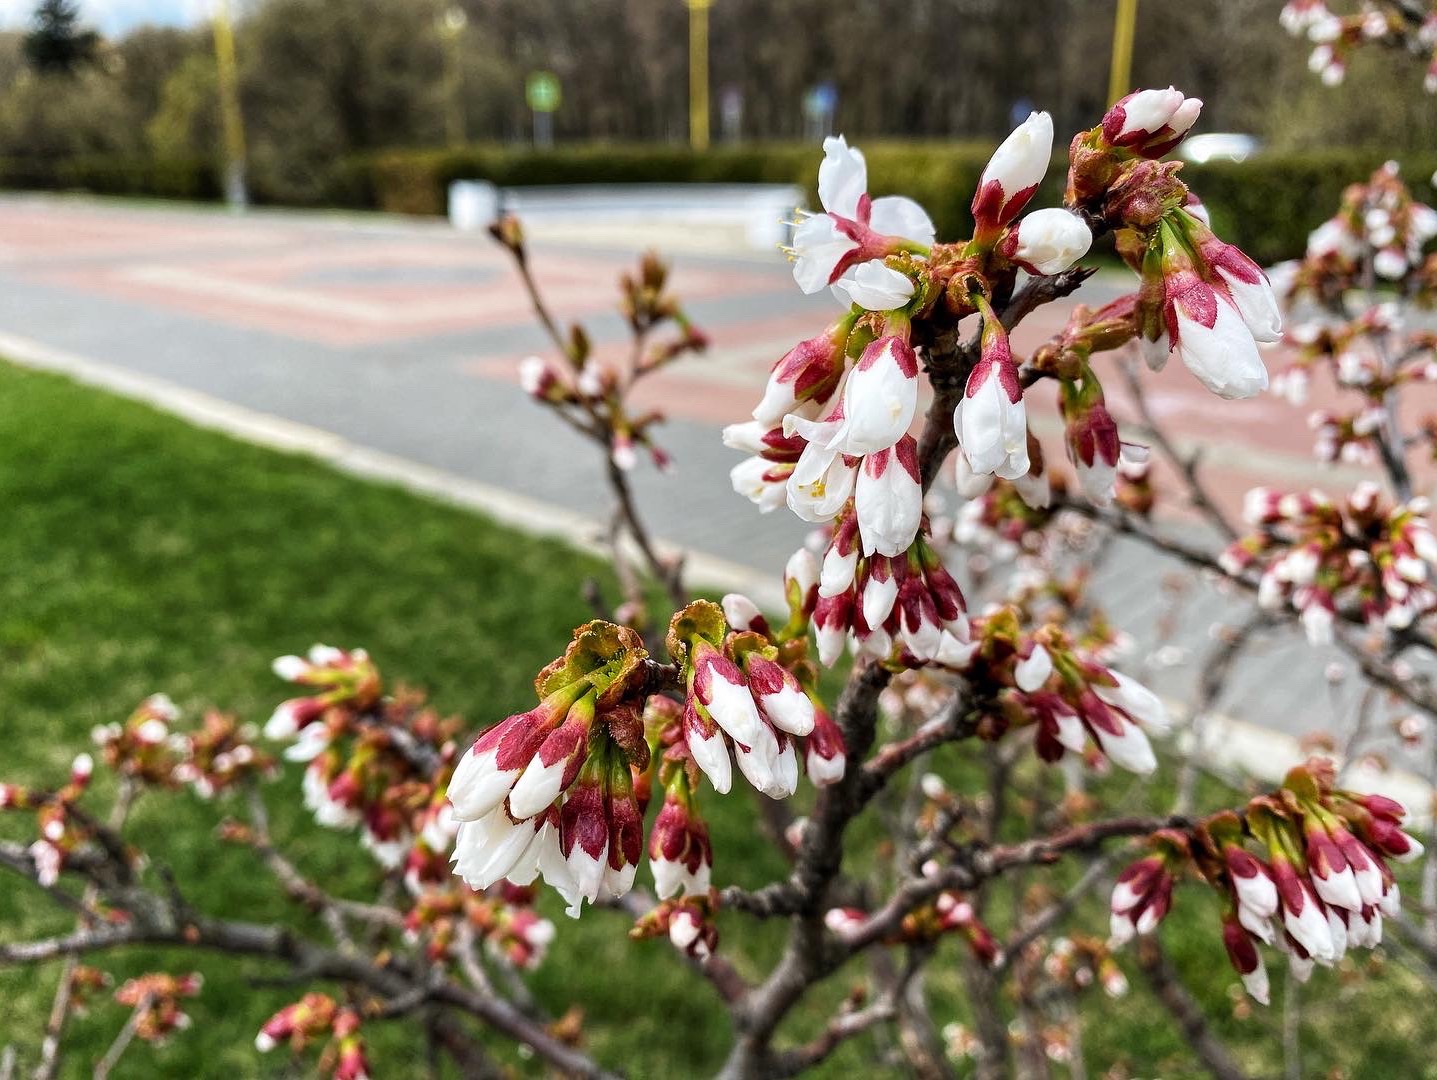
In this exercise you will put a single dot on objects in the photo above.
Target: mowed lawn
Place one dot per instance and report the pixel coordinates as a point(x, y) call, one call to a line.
point(142, 555)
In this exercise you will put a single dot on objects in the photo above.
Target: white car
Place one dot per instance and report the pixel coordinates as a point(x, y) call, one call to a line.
point(1218, 146)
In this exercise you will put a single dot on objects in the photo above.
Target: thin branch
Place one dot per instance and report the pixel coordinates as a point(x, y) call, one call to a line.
point(1186, 465)
point(1054, 913)
point(124, 1038)
point(1168, 987)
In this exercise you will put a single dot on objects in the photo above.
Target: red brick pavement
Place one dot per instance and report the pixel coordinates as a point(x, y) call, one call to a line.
point(347, 287)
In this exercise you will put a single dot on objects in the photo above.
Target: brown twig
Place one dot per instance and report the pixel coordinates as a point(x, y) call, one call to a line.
point(1167, 986)
point(122, 1040)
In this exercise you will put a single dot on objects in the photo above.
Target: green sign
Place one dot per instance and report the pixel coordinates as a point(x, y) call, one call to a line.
point(541, 91)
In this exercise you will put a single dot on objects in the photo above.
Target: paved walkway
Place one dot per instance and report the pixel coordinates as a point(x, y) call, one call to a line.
point(403, 337)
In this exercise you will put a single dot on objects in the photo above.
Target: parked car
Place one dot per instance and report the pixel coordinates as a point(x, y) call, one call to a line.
point(1219, 146)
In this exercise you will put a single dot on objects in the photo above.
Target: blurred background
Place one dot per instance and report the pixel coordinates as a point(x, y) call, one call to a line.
point(128, 95)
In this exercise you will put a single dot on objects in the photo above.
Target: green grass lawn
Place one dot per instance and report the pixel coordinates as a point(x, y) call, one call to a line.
point(141, 555)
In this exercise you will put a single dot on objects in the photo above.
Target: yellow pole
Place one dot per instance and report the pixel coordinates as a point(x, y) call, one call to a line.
point(1120, 75)
point(699, 73)
point(230, 115)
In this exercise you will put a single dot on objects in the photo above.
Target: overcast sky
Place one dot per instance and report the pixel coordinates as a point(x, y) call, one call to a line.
point(116, 16)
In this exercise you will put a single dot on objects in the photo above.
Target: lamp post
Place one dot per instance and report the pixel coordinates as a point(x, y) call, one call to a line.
point(1120, 74)
point(232, 120)
point(699, 73)
point(451, 29)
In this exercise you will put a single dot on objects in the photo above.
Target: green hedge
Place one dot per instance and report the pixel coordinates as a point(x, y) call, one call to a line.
point(1267, 205)
point(109, 175)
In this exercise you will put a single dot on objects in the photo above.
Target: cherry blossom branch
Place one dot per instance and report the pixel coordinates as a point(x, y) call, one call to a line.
point(332, 910)
point(981, 864)
point(60, 1006)
point(668, 573)
point(160, 920)
point(848, 1024)
point(122, 1041)
point(1053, 914)
point(1187, 465)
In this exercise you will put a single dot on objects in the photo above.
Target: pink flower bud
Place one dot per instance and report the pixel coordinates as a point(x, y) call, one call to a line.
point(825, 755)
point(1014, 172)
point(990, 420)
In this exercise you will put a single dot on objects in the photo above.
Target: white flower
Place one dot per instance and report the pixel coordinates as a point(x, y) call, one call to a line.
point(1129, 748)
point(1256, 984)
point(1032, 672)
point(1309, 927)
point(875, 286)
point(1049, 241)
point(1215, 343)
point(836, 576)
point(823, 771)
point(879, 595)
point(853, 227)
point(879, 400)
point(1149, 111)
point(888, 499)
point(760, 481)
point(992, 427)
point(478, 785)
point(821, 482)
point(1256, 303)
point(1137, 701)
point(970, 484)
point(1390, 263)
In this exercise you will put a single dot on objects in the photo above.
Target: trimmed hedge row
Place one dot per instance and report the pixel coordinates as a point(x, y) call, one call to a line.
point(163, 178)
point(1266, 205)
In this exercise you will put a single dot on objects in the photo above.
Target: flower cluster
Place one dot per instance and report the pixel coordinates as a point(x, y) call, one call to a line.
point(687, 921)
point(147, 750)
point(61, 828)
point(562, 790)
point(155, 997)
point(502, 917)
point(1363, 556)
point(905, 609)
point(1377, 22)
point(1318, 884)
point(373, 763)
point(1079, 961)
point(1200, 298)
point(740, 694)
point(317, 1018)
point(1378, 226)
point(552, 791)
point(1379, 232)
point(948, 913)
point(830, 437)
point(219, 755)
point(590, 391)
point(140, 748)
point(1043, 681)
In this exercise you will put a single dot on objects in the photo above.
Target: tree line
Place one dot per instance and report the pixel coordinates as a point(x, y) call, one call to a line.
point(322, 79)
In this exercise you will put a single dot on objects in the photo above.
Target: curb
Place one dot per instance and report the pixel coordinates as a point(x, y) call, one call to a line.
point(704, 572)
